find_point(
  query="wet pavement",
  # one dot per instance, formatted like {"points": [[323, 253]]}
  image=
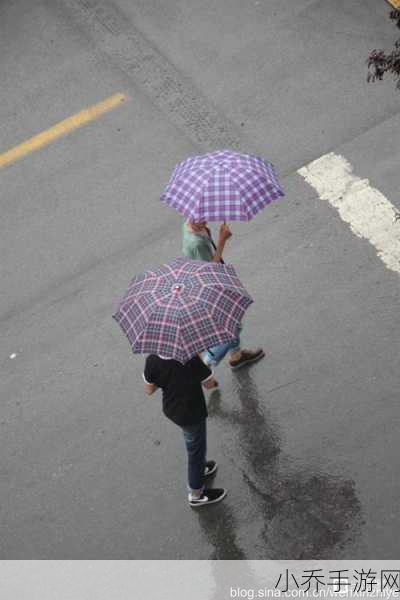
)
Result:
{"points": [[307, 439]]}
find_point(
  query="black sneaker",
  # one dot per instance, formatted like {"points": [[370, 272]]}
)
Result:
{"points": [[210, 496], [211, 468]]}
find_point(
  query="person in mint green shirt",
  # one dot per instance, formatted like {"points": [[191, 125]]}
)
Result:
{"points": [[198, 245]]}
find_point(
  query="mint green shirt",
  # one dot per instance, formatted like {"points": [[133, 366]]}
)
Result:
{"points": [[196, 246]]}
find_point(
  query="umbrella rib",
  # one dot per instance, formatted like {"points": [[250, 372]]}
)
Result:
{"points": [[219, 285], [153, 277]]}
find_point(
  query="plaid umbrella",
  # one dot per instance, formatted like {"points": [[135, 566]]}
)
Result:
{"points": [[222, 186], [182, 308]]}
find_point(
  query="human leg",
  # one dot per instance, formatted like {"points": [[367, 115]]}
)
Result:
{"points": [[199, 469], [195, 437], [213, 356]]}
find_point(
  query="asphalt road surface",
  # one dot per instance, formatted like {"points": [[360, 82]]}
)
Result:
{"points": [[306, 440]]}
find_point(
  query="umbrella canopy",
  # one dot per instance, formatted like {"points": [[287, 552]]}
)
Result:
{"points": [[182, 308], [222, 186]]}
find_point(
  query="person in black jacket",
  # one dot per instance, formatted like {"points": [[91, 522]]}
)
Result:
{"points": [[184, 404]]}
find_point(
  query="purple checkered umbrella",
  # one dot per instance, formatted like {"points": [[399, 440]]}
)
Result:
{"points": [[182, 308], [222, 186]]}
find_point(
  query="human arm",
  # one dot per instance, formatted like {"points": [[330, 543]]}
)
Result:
{"points": [[204, 374], [210, 383], [149, 387], [224, 235]]}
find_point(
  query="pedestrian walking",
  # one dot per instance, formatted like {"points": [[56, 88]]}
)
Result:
{"points": [[197, 244], [184, 404], [220, 186], [173, 313]]}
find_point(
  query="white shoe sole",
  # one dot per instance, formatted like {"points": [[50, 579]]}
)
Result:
{"points": [[200, 504]]}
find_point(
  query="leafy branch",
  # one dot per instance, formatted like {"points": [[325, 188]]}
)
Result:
{"points": [[381, 62]]}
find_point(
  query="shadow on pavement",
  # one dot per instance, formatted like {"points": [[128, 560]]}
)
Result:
{"points": [[305, 515], [219, 527]]}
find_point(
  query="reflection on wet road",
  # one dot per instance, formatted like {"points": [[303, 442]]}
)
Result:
{"points": [[304, 514]]}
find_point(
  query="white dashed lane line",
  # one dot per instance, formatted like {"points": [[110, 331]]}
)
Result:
{"points": [[368, 212]]}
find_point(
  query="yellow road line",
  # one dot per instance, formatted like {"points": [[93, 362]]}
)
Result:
{"points": [[60, 129]]}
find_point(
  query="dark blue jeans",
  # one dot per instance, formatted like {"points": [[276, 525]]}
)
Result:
{"points": [[196, 445]]}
